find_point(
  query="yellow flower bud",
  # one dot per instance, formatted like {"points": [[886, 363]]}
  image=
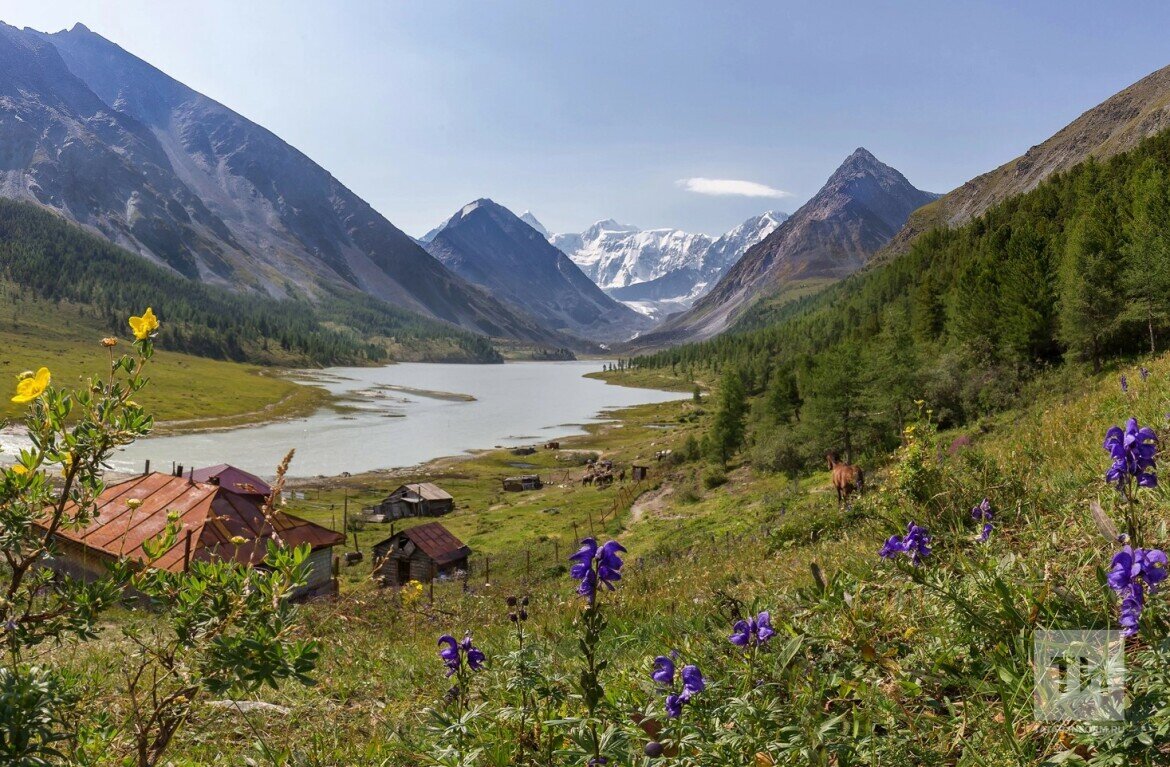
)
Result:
{"points": [[109, 342], [134, 503], [239, 540]]}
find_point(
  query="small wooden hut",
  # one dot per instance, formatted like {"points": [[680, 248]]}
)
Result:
{"points": [[233, 480], [523, 483], [640, 472], [419, 554], [417, 499]]}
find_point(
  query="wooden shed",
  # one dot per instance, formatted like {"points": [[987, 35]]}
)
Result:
{"points": [[522, 483], [640, 472], [210, 517], [417, 499], [419, 554]]}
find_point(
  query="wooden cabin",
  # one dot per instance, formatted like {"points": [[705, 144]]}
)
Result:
{"points": [[417, 499], [419, 554], [210, 517], [522, 483], [640, 472]]}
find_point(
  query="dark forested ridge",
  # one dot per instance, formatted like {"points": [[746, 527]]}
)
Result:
{"points": [[1076, 270], [50, 259]]}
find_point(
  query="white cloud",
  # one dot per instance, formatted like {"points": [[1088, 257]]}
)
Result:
{"points": [[730, 186]]}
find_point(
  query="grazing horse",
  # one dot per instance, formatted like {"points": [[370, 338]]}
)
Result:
{"points": [[847, 478]]}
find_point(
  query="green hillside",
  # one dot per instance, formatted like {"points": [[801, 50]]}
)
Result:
{"points": [[1076, 270], [44, 258]]}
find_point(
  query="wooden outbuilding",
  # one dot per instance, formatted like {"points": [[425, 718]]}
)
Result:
{"points": [[640, 472], [417, 499], [522, 483], [210, 516], [419, 554]]}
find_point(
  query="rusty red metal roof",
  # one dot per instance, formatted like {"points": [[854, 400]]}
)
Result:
{"points": [[209, 514], [230, 478], [436, 542]]}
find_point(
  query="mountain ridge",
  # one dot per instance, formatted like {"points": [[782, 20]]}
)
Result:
{"points": [[110, 142], [488, 245], [860, 207]]}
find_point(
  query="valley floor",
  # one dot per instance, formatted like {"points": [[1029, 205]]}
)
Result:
{"points": [[878, 647]]}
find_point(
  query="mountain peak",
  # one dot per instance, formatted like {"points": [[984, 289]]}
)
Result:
{"points": [[80, 28], [532, 221]]}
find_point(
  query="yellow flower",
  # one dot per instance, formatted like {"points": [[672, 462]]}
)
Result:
{"points": [[19, 470], [145, 325], [238, 540], [29, 387]]}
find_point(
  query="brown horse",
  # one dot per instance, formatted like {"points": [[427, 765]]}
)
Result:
{"points": [[847, 478]]}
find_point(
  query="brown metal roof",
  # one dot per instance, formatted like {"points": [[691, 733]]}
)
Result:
{"points": [[436, 542], [210, 514], [230, 478], [425, 490]]}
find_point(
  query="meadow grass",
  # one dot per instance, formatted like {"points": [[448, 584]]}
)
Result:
{"points": [[193, 392], [919, 666]]}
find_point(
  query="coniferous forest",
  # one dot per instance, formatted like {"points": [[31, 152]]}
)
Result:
{"points": [[1077, 270], [46, 258]]}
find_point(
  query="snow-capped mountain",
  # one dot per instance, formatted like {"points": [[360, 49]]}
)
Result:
{"points": [[530, 219], [616, 255], [660, 271]]}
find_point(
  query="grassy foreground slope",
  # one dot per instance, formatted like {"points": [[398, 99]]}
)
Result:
{"points": [[874, 662]]}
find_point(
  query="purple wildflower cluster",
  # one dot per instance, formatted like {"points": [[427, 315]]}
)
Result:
{"points": [[983, 513], [1145, 373], [593, 564], [753, 631], [692, 683], [1133, 573], [1134, 452], [914, 544], [1124, 385], [454, 654]]}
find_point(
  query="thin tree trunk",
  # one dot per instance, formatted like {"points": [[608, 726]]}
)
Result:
{"points": [[1150, 320]]}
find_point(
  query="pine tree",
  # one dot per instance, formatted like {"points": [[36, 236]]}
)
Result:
{"points": [[1146, 273], [1090, 298], [728, 429]]}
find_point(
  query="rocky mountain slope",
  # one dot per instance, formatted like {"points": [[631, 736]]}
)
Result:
{"points": [[856, 212], [488, 245], [111, 143], [1113, 126]]}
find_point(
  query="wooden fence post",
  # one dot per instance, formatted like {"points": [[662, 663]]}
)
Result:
{"points": [[433, 576]]}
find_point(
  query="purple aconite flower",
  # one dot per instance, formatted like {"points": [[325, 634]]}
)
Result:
{"points": [[983, 513], [692, 684], [914, 544], [1134, 453], [593, 564], [1132, 601], [693, 681], [454, 654], [449, 653], [1132, 573], [663, 671], [1124, 384], [757, 630], [1144, 372]]}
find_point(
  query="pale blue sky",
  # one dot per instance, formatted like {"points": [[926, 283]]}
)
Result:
{"points": [[599, 109]]}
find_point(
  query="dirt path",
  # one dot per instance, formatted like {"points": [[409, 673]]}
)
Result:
{"points": [[650, 502]]}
